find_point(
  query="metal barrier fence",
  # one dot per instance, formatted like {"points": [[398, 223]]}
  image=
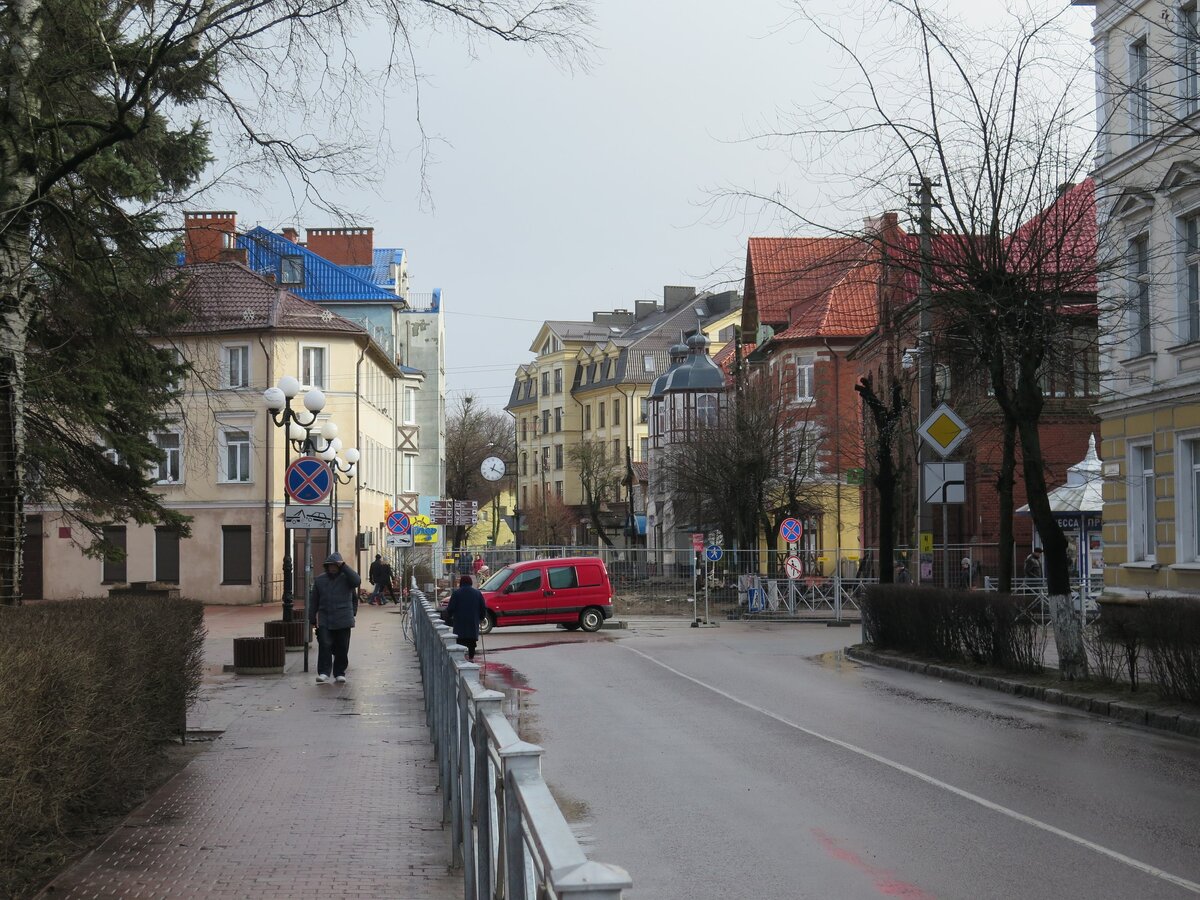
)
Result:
{"points": [[1083, 596], [507, 833]]}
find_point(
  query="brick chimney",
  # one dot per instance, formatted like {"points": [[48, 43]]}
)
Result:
{"points": [[343, 246], [206, 234], [291, 234]]}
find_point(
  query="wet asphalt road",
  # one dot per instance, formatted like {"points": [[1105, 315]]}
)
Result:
{"points": [[751, 761]]}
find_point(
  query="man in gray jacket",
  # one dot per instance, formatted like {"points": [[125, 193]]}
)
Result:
{"points": [[332, 606]]}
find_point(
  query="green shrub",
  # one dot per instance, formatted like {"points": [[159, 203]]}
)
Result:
{"points": [[983, 627], [89, 690]]}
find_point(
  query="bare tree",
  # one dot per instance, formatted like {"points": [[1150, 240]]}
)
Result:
{"points": [[105, 113], [600, 477], [473, 433], [548, 522], [990, 125]]}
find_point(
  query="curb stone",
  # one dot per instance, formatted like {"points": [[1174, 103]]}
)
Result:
{"points": [[1171, 720]]}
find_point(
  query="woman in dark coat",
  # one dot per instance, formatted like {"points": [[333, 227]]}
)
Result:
{"points": [[464, 613]]}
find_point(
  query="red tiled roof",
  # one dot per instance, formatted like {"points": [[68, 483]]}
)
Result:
{"points": [[849, 308], [724, 359], [782, 272], [226, 296]]}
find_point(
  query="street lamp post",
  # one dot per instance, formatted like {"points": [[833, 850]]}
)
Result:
{"points": [[278, 401], [342, 470]]}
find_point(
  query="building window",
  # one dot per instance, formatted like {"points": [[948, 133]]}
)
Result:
{"points": [[1191, 275], [235, 554], [558, 489], [408, 473], [600, 413], [1189, 23], [644, 446], [545, 458], [114, 571], [545, 383], [587, 418], [524, 463], [237, 366], [941, 384], [545, 421], [804, 380], [648, 363], [1139, 299], [1139, 90], [312, 367], [170, 469], [236, 457], [558, 419], [558, 456], [616, 413], [1141, 503], [1188, 543], [166, 555], [558, 384], [524, 429], [291, 270], [617, 450], [410, 406], [645, 409]]}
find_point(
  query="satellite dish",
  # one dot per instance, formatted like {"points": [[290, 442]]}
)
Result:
{"points": [[764, 334]]}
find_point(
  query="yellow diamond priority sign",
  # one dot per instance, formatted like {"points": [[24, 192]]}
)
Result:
{"points": [[943, 430]]}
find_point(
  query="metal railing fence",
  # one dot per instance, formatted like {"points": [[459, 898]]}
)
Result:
{"points": [[508, 834]]}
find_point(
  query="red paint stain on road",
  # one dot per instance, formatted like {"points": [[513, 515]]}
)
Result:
{"points": [[885, 882]]}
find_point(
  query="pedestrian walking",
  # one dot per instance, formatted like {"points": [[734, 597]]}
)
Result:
{"points": [[478, 566], [1033, 564], [902, 576], [373, 577], [384, 583], [333, 604], [464, 613], [967, 571]]}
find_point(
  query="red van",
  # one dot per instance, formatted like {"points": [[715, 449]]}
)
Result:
{"points": [[573, 592]]}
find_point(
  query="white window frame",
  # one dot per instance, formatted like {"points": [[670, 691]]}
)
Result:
{"points": [[408, 471], [325, 359], [1189, 57], [226, 365], [805, 379], [1189, 274], [1187, 506], [410, 405], [1141, 308], [178, 451], [1140, 516], [288, 264], [225, 475], [1138, 89]]}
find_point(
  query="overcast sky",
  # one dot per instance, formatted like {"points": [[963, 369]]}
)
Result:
{"points": [[557, 193]]}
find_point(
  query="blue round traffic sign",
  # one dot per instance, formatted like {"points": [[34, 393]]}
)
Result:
{"points": [[308, 480], [713, 553], [399, 523], [791, 530]]}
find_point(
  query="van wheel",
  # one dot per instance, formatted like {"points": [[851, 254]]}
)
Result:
{"points": [[488, 623], [591, 619]]}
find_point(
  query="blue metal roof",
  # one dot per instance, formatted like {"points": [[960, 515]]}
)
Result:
{"points": [[379, 273], [323, 280]]}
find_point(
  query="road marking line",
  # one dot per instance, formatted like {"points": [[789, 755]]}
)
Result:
{"points": [[929, 779]]}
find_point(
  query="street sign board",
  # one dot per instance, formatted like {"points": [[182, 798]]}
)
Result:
{"points": [[945, 482], [926, 542], [308, 516], [943, 430], [794, 567], [713, 553], [791, 530], [399, 523], [398, 540], [454, 512], [697, 541], [308, 480]]}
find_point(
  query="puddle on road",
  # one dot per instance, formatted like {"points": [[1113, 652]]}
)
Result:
{"points": [[952, 707], [836, 660]]}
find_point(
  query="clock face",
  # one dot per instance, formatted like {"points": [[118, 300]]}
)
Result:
{"points": [[492, 468]]}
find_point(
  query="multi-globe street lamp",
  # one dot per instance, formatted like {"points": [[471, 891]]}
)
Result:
{"points": [[278, 401]]}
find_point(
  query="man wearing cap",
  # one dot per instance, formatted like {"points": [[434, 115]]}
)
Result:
{"points": [[332, 606]]}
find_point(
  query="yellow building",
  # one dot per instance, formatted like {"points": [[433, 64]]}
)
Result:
{"points": [[493, 529], [589, 383], [1148, 197], [224, 459]]}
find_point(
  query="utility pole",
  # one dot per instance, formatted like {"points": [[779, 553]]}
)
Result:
{"points": [[924, 205]]}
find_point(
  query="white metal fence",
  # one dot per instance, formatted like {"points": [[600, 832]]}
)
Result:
{"points": [[508, 834]]}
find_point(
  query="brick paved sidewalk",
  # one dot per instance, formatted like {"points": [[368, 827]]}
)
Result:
{"points": [[314, 790]]}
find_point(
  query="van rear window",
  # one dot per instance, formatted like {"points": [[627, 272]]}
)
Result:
{"points": [[589, 575], [562, 577]]}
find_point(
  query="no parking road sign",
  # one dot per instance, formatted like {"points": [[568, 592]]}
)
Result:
{"points": [[308, 480], [399, 523], [791, 530], [713, 553]]}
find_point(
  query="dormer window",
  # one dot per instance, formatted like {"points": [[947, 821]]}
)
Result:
{"points": [[291, 270]]}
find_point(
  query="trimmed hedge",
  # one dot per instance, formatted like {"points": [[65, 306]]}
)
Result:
{"points": [[1157, 638], [89, 690], [980, 626]]}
